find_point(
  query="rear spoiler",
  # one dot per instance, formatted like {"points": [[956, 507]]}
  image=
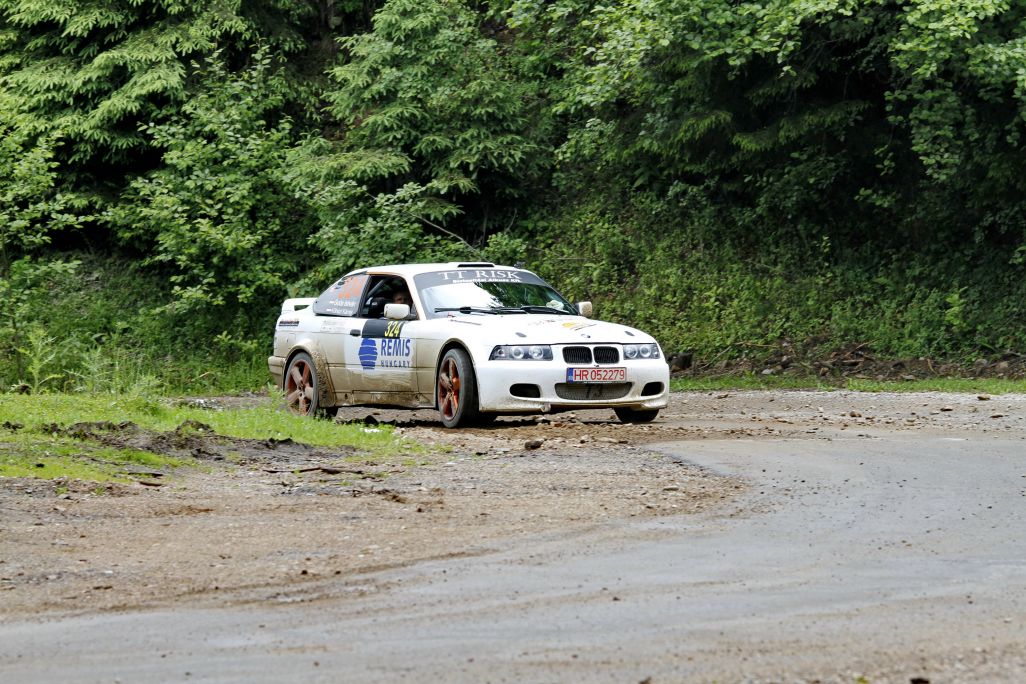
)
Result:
{"points": [[290, 305]]}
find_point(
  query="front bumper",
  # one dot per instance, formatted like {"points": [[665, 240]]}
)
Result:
{"points": [[507, 386]]}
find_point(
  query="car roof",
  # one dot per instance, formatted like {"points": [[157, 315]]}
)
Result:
{"points": [[409, 270]]}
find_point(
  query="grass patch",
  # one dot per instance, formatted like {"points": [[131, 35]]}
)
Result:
{"points": [[956, 385], [28, 447], [752, 381], [264, 421], [50, 457], [272, 422], [749, 381]]}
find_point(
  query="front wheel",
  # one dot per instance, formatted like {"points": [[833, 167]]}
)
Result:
{"points": [[629, 415], [456, 389]]}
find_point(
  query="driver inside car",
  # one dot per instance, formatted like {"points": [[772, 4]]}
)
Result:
{"points": [[401, 295]]}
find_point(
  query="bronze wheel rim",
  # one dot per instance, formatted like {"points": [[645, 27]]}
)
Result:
{"points": [[299, 388], [448, 389]]}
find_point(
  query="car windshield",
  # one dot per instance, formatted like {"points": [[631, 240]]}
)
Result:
{"points": [[489, 292]]}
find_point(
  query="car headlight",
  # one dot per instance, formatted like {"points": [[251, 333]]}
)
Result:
{"points": [[521, 352], [641, 351]]}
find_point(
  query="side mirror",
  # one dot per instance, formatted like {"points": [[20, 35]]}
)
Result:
{"points": [[584, 308], [397, 312]]}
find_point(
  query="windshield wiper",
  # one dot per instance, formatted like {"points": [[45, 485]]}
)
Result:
{"points": [[533, 308], [467, 309]]}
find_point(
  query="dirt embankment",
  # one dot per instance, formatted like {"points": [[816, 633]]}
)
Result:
{"points": [[857, 361]]}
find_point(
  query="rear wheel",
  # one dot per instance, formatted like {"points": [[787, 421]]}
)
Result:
{"points": [[301, 385], [456, 389], [629, 415]]}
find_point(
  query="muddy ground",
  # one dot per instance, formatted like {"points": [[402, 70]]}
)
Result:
{"points": [[270, 520]]}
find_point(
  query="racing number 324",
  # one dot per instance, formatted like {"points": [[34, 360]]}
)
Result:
{"points": [[393, 328]]}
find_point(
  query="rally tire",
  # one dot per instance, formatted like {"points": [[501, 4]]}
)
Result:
{"points": [[301, 386], [456, 390]]}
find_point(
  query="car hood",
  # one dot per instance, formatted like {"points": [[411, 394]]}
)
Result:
{"points": [[545, 329]]}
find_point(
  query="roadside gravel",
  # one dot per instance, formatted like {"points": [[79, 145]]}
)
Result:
{"points": [[286, 522]]}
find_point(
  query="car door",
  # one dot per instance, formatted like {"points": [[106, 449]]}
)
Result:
{"points": [[336, 308], [380, 353]]}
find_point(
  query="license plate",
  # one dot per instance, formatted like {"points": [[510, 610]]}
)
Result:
{"points": [[596, 374]]}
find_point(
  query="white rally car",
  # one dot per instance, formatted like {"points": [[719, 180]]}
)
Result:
{"points": [[473, 340]]}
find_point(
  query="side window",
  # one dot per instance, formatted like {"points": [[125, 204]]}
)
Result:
{"points": [[343, 297], [385, 289]]}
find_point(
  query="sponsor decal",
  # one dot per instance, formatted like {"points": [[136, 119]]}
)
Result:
{"points": [[345, 307], [368, 353], [377, 327], [288, 322], [577, 325], [475, 275], [343, 298], [386, 352], [351, 288]]}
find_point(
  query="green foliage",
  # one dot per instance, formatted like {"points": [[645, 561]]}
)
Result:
{"points": [[216, 214], [99, 314], [40, 352], [26, 350], [91, 69], [649, 268], [435, 137], [358, 228], [435, 96], [804, 115], [31, 208], [31, 211], [727, 173]]}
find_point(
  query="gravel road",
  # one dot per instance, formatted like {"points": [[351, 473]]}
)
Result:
{"points": [[752, 536]]}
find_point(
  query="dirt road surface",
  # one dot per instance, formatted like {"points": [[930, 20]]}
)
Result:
{"points": [[745, 536]]}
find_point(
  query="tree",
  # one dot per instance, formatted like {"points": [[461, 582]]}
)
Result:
{"points": [[216, 215], [31, 211], [436, 131], [844, 113]]}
